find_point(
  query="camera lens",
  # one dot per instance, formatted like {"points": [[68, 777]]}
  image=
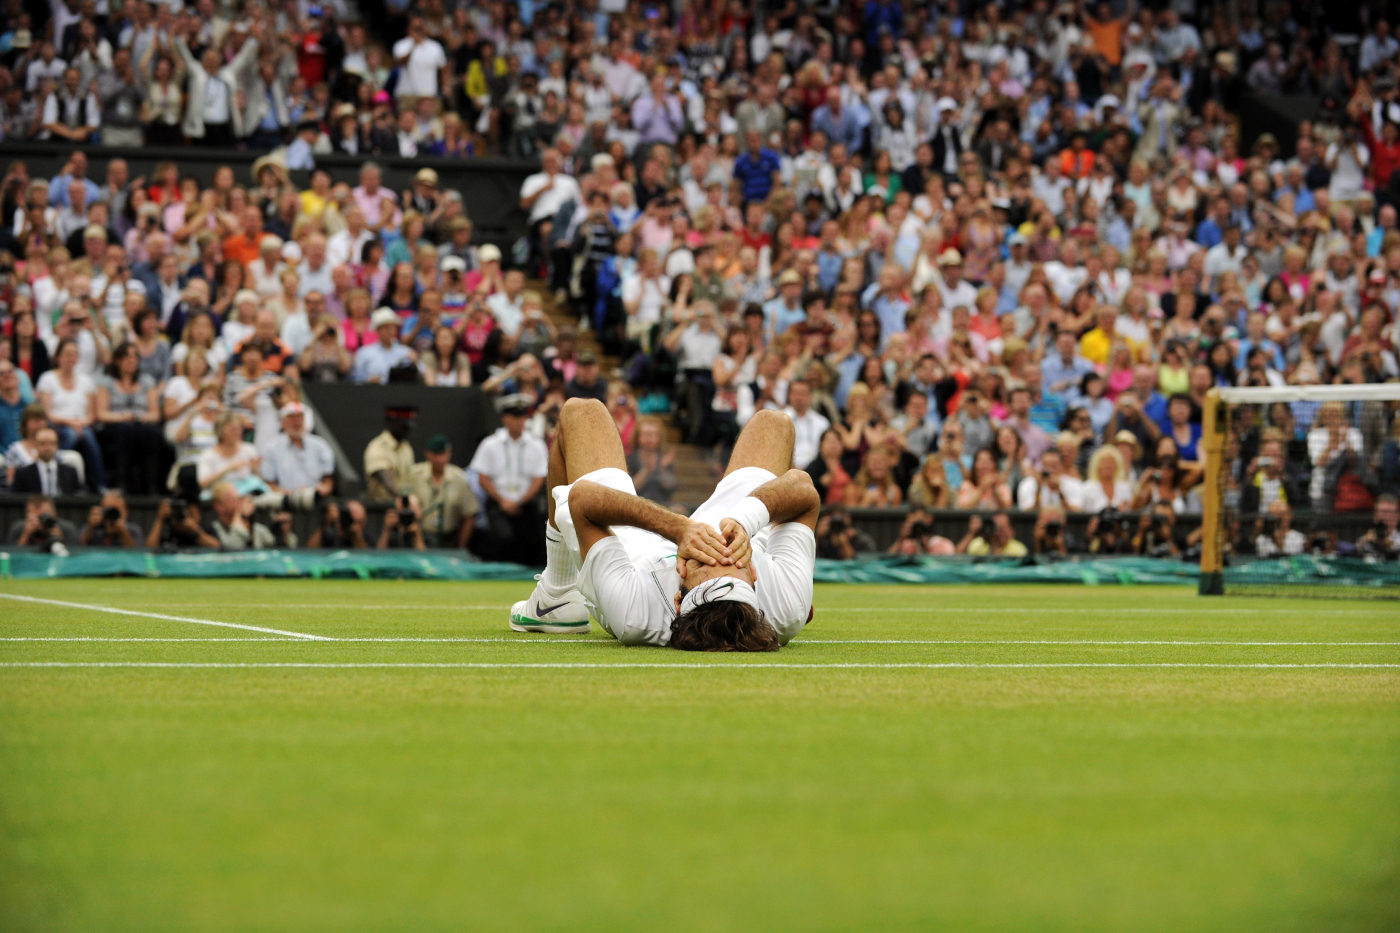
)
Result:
{"points": [[111, 514]]}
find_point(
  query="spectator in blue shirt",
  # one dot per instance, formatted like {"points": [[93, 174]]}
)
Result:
{"points": [[757, 168], [786, 309], [373, 361], [840, 124], [1062, 370], [882, 16], [1255, 337]]}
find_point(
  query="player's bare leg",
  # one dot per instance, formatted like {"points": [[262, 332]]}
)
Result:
{"points": [[765, 442], [586, 440]]}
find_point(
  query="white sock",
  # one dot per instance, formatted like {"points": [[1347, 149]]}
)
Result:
{"points": [[561, 567]]}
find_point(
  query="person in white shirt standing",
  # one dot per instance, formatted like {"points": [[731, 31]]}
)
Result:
{"points": [[544, 193], [735, 576], [809, 425], [511, 466], [422, 62]]}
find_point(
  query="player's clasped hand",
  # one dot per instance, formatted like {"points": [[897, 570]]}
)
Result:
{"points": [[701, 542], [738, 540]]}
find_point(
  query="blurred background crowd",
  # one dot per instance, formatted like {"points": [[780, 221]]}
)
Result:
{"points": [[988, 257]]}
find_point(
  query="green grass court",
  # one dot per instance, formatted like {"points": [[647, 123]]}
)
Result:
{"points": [[923, 758]]}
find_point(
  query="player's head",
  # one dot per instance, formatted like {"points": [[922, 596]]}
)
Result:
{"points": [[721, 614]]}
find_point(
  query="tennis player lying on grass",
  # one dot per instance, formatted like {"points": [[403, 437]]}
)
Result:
{"points": [[735, 576]]}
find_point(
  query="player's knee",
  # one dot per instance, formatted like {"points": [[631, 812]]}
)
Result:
{"points": [[576, 409], [770, 420]]}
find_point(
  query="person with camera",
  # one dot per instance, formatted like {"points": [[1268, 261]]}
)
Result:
{"points": [[998, 541], [41, 527], [1051, 487], [403, 526], [1384, 537], [1274, 534], [838, 539], [916, 537], [341, 527], [177, 527], [1156, 535], [1109, 532], [1050, 535], [108, 524]]}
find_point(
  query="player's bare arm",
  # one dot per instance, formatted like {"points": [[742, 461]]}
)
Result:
{"points": [[595, 507]]}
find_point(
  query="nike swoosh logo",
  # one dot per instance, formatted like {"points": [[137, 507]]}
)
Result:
{"points": [[546, 610]]}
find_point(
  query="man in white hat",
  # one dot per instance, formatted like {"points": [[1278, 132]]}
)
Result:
{"points": [[297, 464], [734, 576], [947, 139], [374, 361], [955, 292]]}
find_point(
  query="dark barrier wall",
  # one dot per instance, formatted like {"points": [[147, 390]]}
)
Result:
{"points": [[1279, 114], [490, 187], [351, 416]]}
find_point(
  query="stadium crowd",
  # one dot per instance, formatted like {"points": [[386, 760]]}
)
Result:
{"points": [[987, 257]]}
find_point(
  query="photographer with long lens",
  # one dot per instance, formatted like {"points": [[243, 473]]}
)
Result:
{"points": [[403, 527], [1110, 532], [108, 525], [1050, 537], [41, 528], [177, 527]]}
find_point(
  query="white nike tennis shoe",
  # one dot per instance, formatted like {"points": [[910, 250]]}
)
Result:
{"points": [[563, 615]]}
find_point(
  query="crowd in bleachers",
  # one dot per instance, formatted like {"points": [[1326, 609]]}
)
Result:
{"points": [[987, 257]]}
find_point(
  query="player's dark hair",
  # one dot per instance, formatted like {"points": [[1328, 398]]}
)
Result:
{"points": [[723, 625]]}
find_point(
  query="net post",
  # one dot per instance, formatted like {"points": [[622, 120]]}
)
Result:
{"points": [[1215, 425]]}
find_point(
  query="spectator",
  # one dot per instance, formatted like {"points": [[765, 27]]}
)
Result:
{"points": [[1383, 538], [299, 465], [448, 505], [108, 524], [1050, 532], [378, 362], [70, 398], [1275, 535], [47, 475], [586, 382], [12, 404], [128, 411], [1107, 486], [653, 469], [233, 524], [1052, 487]]}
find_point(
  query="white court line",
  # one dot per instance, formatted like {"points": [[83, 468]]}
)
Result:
{"points": [[112, 610], [1046, 641], [678, 664], [402, 606]]}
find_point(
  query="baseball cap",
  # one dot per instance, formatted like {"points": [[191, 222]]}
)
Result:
{"points": [[790, 277], [587, 358], [291, 408], [950, 257], [453, 264], [1017, 239], [427, 176], [438, 444], [947, 103], [490, 253], [94, 232], [383, 317]]}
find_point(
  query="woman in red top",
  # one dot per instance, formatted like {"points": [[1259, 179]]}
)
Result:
{"points": [[356, 331]]}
